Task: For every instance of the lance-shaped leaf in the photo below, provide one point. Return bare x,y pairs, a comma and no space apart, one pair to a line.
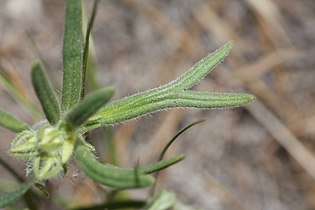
110,175
72,55
8,198
45,92
201,69
87,45
160,165
16,93
173,139
90,104
172,95
10,122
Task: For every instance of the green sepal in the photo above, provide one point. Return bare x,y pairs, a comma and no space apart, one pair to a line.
45,92
109,175
24,146
50,139
45,167
67,148
72,55
10,197
90,104
8,121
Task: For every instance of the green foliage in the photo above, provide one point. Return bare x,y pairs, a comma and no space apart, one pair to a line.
45,93
110,175
47,147
82,111
162,164
15,93
10,197
72,55
118,177
10,122
174,94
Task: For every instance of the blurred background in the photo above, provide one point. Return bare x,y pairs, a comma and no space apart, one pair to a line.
257,157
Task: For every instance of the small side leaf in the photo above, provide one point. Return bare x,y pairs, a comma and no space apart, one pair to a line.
10,122
109,175
72,55
201,69
7,198
91,104
45,93
160,165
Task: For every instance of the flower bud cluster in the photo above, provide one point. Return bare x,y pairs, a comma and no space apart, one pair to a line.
46,150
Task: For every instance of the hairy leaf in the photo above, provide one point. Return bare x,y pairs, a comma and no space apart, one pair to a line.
45,92
109,175
10,122
91,104
172,95
72,55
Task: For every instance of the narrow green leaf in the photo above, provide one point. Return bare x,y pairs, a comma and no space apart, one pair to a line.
201,69
45,92
10,122
18,97
109,175
176,136
91,104
161,165
172,95
170,142
72,55
118,111
192,99
7,198
87,44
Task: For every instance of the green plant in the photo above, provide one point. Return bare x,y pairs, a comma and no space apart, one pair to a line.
47,147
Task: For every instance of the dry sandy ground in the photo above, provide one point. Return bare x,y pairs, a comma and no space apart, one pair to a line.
257,157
